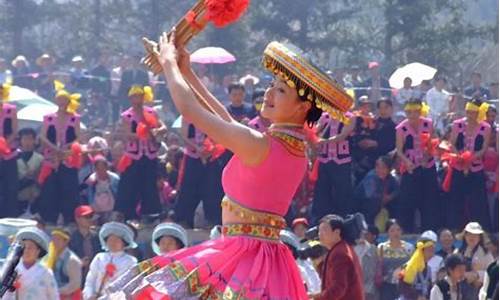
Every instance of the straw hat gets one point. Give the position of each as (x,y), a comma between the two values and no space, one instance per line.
(45,57)
(20,58)
(255,80)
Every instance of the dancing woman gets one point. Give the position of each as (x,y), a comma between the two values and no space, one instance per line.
(248,261)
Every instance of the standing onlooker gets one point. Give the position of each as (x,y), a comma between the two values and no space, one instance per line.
(84,242)
(489,290)
(45,80)
(66,266)
(299,227)
(493,89)
(476,90)
(393,254)
(107,266)
(405,93)
(249,82)
(368,258)
(436,261)
(477,259)
(384,133)
(238,109)
(377,86)
(422,89)
(101,82)
(438,100)
(35,281)
(449,287)
(28,166)
(79,76)
(21,72)
(415,278)
(341,277)
(446,241)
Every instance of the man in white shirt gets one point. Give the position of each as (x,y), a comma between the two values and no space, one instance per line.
(405,93)
(439,101)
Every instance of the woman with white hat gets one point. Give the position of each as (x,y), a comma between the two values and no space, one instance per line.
(35,281)
(168,237)
(107,266)
(477,259)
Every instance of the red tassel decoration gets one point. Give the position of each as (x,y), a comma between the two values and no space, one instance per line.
(75,158)
(224,12)
(142,131)
(4,147)
(45,172)
(123,164)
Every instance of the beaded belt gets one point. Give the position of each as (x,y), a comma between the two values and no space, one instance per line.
(252,230)
(252,215)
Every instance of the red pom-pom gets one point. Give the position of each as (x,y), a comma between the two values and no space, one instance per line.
(75,158)
(110,270)
(142,131)
(224,12)
(4,147)
(150,120)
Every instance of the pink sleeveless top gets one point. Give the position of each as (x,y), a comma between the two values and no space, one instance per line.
(412,141)
(135,149)
(268,187)
(59,135)
(6,122)
(338,152)
(473,142)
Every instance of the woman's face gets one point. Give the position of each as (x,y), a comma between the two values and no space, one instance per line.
(472,240)
(471,115)
(136,100)
(412,114)
(429,252)
(381,169)
(168,244)
(31,252)
(446,239)
(62,102)
(394,232)
(115,243)
(283,105)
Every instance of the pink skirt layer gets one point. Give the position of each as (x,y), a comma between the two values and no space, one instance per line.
(232,267)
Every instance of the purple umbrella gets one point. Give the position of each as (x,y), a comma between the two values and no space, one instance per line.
(212,55)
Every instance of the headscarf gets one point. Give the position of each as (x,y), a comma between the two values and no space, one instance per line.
(5,92)
(146,91)
(482,109)
(53,254)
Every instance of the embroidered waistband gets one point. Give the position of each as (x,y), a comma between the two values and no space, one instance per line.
(252,230)
(252,215)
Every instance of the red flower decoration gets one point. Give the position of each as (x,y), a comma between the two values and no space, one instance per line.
(110,270)
(142,131)
(75,158)
(246,229)
(223,12)
(267,231)
(17,284)
(151,120)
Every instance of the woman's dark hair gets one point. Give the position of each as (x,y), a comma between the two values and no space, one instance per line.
(312,252)
(414,101)
(384,100)
(389,223)
(314,113)
(476,101)
(481,244)
(452,261)
(373,230)
(259,92)
(42,251)
(438,78)
(387,161)
(492,108)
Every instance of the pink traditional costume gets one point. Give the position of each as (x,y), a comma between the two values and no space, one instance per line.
(59,176)
(248,261)
(8,154)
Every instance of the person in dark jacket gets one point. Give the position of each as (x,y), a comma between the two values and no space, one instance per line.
(84,242)
(341,277)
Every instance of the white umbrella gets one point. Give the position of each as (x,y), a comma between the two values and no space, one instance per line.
(416,71)
(212,55)
(35,112)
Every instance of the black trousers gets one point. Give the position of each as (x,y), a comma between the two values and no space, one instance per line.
(8,188)
(138,185)
(468,200)
(333,192)
(192,190)
(419,191)
(59,194)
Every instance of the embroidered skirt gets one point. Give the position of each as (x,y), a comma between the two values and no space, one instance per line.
(247,262)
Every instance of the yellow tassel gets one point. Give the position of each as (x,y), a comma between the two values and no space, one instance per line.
(5,92)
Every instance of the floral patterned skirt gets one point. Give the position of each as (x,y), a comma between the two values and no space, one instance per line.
(247,262)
